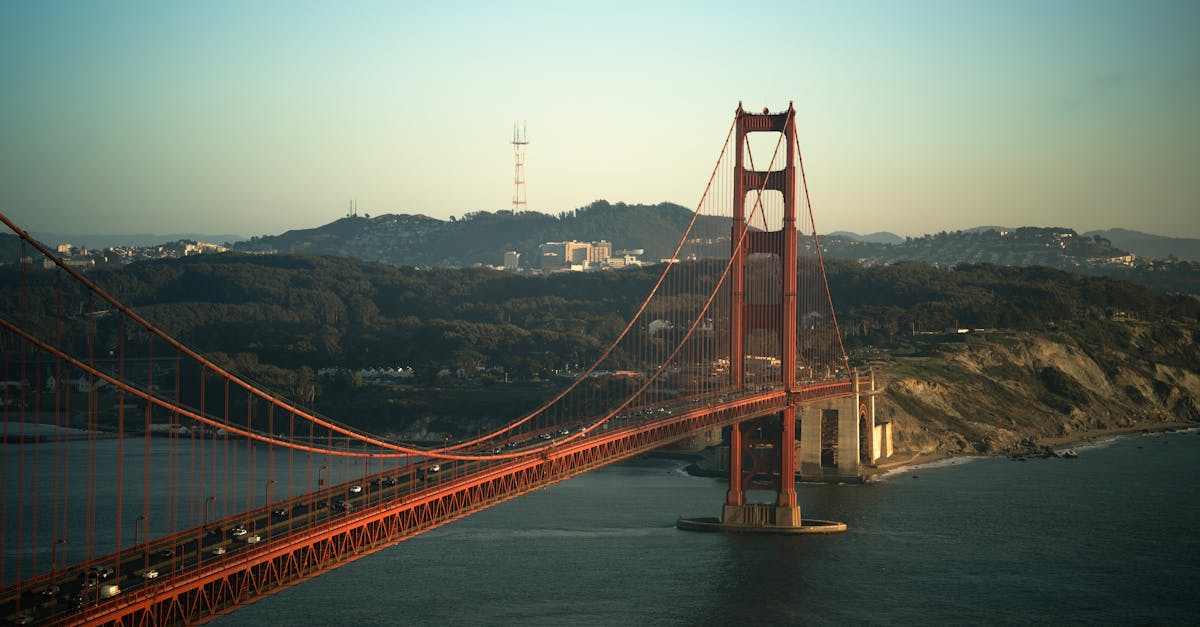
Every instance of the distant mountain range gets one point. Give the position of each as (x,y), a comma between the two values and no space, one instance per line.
(1139,243)
(1153,246)
(484,237)
(880,237)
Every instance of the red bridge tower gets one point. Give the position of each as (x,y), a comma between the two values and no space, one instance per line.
(762,451)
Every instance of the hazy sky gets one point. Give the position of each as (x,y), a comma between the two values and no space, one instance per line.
(256,117)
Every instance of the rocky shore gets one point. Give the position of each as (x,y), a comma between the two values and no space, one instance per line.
(1049,447)
(1026,395)
(1011,394)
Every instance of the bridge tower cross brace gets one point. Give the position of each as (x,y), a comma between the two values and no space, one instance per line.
(763,450)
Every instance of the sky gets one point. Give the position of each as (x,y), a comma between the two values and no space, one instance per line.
(256,117)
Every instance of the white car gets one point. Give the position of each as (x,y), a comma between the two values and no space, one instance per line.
(149,573)
(355,489)
(435,468)
(219,551)
(239,532)
(254,539)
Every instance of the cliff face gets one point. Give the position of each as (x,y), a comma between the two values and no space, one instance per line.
(995,394)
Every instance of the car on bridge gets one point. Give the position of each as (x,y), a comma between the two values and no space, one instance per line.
(219,551)
(149,573)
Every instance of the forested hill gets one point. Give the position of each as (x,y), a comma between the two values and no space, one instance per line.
(1052,247)
(281,319)
(1152,246)
(292,311)
(483,237)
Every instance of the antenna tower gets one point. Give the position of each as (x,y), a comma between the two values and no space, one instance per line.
(519,142)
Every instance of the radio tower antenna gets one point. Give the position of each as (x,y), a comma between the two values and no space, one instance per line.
(519,142)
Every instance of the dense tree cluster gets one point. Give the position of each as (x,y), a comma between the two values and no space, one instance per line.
(877,304)
(296,311)
(278,319)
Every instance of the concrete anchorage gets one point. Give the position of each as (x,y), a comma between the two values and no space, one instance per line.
(836,439)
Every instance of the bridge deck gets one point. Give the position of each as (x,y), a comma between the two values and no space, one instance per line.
(194,584)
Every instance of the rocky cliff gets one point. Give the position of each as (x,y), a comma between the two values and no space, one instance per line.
(999,393)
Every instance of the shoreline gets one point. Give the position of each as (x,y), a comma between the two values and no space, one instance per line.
(1056,443)
(898,462)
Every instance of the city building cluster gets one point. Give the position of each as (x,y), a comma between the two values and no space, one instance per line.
(576,256)
(83,259)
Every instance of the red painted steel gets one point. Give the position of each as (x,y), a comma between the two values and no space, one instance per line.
(207,592)
(754,460)
(704,368)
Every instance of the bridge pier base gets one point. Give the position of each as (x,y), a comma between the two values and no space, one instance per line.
(760,518)
(762,515)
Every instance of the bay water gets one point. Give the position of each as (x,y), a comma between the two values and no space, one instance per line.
(1112,537)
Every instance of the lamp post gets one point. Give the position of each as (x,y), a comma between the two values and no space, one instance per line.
(137,525)
(203,529)
(366,484)
(313,495)
(267,503)
(54,559)
(208,502)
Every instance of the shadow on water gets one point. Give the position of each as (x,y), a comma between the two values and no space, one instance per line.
(785,578)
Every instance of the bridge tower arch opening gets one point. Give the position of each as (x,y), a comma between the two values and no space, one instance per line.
(763,332)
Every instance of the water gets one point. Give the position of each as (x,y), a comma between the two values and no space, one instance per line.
(1107,538)
(30,474)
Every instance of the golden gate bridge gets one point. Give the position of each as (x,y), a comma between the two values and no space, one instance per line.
(185,490)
